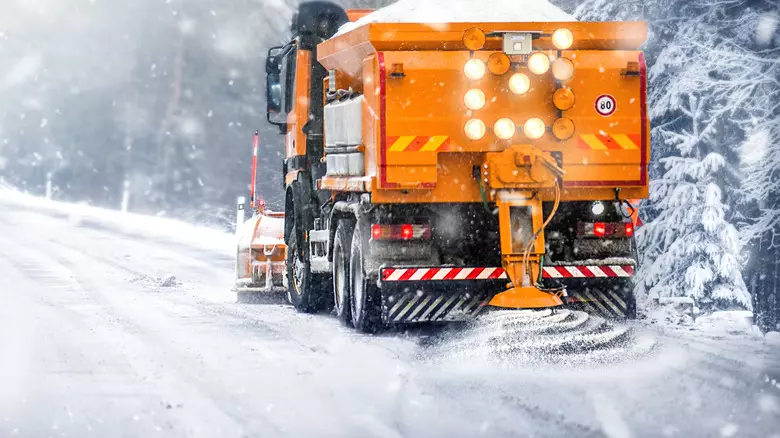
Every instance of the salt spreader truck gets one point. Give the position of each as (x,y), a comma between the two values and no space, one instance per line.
(435,171)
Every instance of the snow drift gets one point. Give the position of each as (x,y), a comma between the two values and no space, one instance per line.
(447,11)
(127,223)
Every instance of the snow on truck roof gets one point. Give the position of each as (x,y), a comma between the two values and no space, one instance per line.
(458,11)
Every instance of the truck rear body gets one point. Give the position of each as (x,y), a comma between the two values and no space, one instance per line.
(468,158)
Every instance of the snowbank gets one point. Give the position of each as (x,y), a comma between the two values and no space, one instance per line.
(736,321)
(455,11)
(128,223)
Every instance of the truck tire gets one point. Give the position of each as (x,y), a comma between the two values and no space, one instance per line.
(342,247)
(365,297)
(305,290)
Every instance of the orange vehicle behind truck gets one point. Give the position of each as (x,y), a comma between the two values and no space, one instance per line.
(432,172)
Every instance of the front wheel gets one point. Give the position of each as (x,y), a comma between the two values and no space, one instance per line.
(366,300)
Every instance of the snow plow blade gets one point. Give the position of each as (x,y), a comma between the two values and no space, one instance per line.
(261,254)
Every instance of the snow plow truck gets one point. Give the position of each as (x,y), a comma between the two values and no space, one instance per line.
(435,171)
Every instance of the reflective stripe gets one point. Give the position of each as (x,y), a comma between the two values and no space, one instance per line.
(485,273)
(420,307)
(624,141)
(593,142)
(463,274)
(441,274)
(430,308)
(552,272)
(596,271)
(619,271)
(434,143)
(396,275)
(575,271)
(402,143)
(419,273)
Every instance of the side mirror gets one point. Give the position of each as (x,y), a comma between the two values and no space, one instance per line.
(273,88)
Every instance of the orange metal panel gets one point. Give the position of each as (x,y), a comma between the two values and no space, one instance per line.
(628,35)
(401,112)
(296,139)
(357,14)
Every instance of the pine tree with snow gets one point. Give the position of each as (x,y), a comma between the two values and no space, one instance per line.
(698,93)
(690,249)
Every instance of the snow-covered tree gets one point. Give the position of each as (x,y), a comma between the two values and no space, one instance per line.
(760,160)
(689,249)
(712,90)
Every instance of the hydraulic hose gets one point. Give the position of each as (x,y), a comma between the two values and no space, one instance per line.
(527,252)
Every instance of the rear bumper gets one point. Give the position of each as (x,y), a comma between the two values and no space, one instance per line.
(433,294)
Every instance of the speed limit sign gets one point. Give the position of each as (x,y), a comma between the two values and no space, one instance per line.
(605,105)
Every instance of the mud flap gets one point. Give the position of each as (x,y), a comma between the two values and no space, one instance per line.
(436,301)
(609,298)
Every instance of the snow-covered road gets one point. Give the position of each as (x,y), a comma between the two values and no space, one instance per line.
(91,344)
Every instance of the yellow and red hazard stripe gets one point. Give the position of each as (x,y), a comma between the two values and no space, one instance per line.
(605,142)
(418,143)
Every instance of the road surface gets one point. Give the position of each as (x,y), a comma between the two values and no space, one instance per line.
(94,341)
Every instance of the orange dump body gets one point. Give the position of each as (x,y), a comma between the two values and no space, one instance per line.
(413,115)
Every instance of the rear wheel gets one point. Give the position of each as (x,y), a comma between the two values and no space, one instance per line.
(365,297)
(305,290)
(342,245)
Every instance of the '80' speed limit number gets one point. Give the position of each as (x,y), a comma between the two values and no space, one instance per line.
(605,105)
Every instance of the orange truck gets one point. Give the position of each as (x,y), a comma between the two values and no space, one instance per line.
(432,172)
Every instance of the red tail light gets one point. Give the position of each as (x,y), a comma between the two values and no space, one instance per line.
(400,232)
(629,230)
(599,229)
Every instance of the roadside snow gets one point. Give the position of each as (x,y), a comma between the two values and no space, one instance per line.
(675,313)
(773,338)
(457,11)
(129,223)
(736,321)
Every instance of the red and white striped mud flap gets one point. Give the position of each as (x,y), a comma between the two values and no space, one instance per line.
(610,300)
(450,274)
